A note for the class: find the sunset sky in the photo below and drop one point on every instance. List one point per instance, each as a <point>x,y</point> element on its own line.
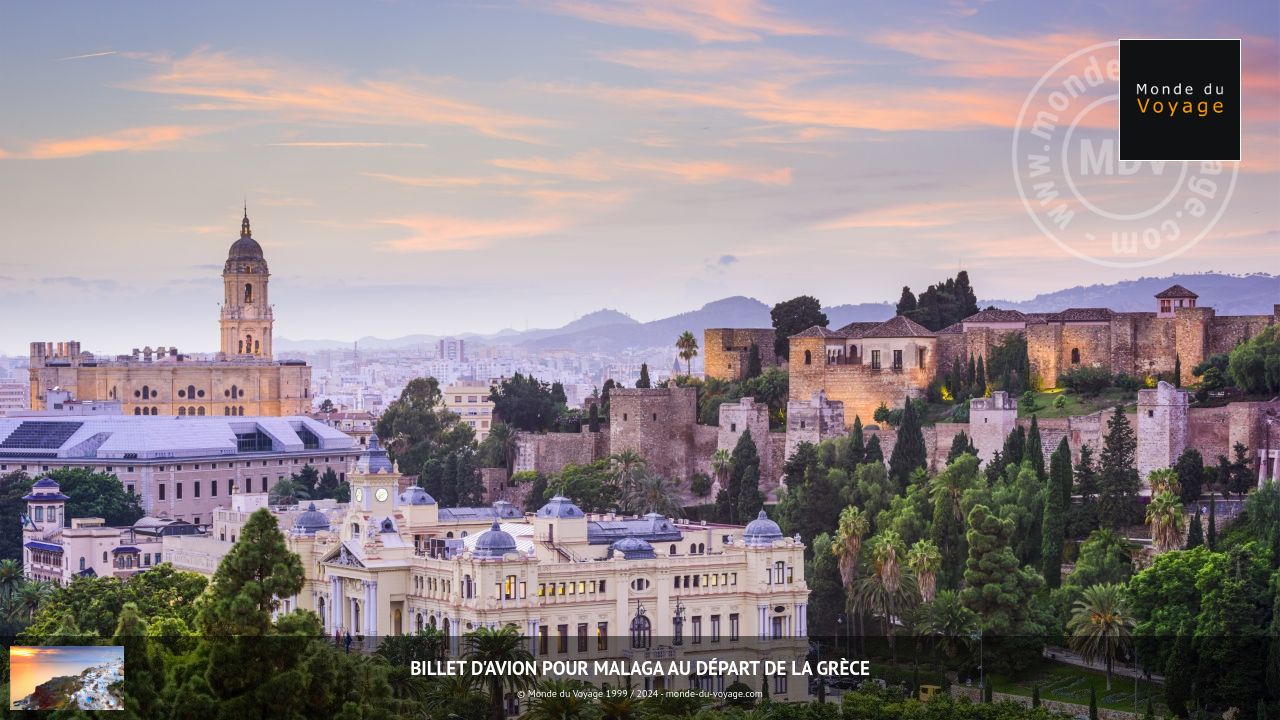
<point>453,167</point>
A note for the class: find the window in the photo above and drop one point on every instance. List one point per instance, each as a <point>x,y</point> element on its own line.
<point>178,490</point>
<point>733,627</point>
<point>697,629</point>
<point>1075,356</point>
<point>875,359</point>
<point>213,488</point>
<point>808,358</point>
<point>39,513</point>
<point>562,639</point>
<point>542,640</point>
<point>582,637</point>
<point>161,490</point>
<point>733,427</point>
<point>641,632</point>
<point>780,684</point>
<point>715,628</point>
<point>897,359</point>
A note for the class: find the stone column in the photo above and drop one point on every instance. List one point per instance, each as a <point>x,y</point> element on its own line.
<point>335,603</point>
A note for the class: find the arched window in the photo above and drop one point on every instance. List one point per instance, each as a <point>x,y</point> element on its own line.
<point>468,587</point>
<point>146,392</point>
<point>641,631</point>
<point>1075,356</point>
<point>191,391</point>
<point>248,342</point>
<point>673,550</point>
<point>248,292</point>
<point>240,347</point>
<point>137,411</point>
<point>257,347</point>
<point>191,411</point>
<point>808,358</point>
<point>82,563</point>
<point>104,556</point>
<point>200,411</point>
<point>702,548</point>
<point>182,411</point>
<point>419,623</point>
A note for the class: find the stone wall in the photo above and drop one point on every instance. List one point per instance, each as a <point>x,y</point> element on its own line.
<point>990,422</point>
<point>813,421</point>
<point>725,351</point>
<point>548,453</point>
<point>1162,427</point>
<point>859,387</point>
<point>737,418</point>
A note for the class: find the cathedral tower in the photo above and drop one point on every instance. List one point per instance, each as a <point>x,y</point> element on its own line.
<point>246,311</point>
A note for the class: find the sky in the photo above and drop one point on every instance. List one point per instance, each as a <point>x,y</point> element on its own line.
<point>29,666</point>
<point>457,167</point>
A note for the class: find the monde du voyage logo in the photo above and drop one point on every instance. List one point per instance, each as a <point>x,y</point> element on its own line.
<point>1180,100</point>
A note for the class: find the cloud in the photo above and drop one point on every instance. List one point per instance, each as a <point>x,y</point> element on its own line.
<point>926,215</point>
<point>721,61</point>
<point>439,233</point>
<point>454,181</point>
<point>595,166</point>
<point>965,54</point>
<point>726,260</point>
<point>88,55</point>
<point>140,139</point>
<point>703,20</point>
<point>345,144</point>
<point>298,94</point>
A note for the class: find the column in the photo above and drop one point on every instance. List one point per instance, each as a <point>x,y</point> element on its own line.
<point>1263,463</point>
<point>453,635</point>
<point>533,637</point>
<point>762,620</point>
<point>371,607</point>
<point>335,604</point>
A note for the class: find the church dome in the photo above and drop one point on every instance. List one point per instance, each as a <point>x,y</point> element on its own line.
<point>633,548</point>
<point>494,543</point>
<point>311,521</point>
<point>416,496</point>
<point>246,249</point>
<point>761,532</point>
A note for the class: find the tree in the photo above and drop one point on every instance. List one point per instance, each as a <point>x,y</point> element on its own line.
<point>1054,528</point>
<point>330,486</point>
<point>793,316</point>
<point>687,344</point>
<point>996,587</point>
<point>287,492</point>
<point>847,544</point>
<point>1211,537</point>
<point>1165,516</point>
<point>652,493</point>
<point>1105,557</point>
<point>526,403</point>
<point>909,452</point>
<point>721,462</point>
<point>751,501</point>
<point>924,559</point>
<point>326,406</point>
<point>1034,452</point>
<point>700,485</point>
<point>1118,481</point>
<point>960,444</point>
<point>1015,446</point>
<point>980,379</point>
<point>417,428</point>
<point>96,494</point>
<point>503,645</point>
<point>947,490</point>
<point>887,591</point>
<point>1241,479</point>
<point>856,447</point>
<point>644,382</point>
<point>942,304</point>
<point>1190,469</point>
<point>1009,366</point>
<point>744,457</point>
<point>755,365</point>
<point>593,418</point>
<point>1195,532</point>
<point>874,453</point>
<point>1254,365</point>
<point>906,302</point>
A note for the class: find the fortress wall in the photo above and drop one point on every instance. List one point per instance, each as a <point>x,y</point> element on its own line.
<point>725,351</point>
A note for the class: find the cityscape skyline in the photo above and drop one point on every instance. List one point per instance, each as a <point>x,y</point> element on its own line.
<point>568,156</point>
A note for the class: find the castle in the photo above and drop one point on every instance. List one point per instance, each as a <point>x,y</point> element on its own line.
<point>241,379</point>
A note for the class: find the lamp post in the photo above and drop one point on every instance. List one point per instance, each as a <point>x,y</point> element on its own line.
<point>840,628</point>
<point>678,623</point>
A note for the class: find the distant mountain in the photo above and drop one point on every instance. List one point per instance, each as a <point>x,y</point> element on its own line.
<point>1228,294</point>
<point>611,330</point>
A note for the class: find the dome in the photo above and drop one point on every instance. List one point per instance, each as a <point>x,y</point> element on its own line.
<point>311,521</point>
<point>494,543</point>
<point>374,459</point>
<point>245,254</point>
<point>560,507</point>
<point>246,248</point>
<point>633,548</point>
<point>761,532</point>
<point>46,482</point>
<point>416,496</point>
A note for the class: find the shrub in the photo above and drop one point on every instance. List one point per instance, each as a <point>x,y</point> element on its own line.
<point>1128,382</point>
<point>1060,402</point>
<point>1089,380</point>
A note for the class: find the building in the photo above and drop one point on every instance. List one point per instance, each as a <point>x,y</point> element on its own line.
<point>241,379</point>
<point>180,467</point>
<point>60,402</point>
<point>602,587</point>
<point>57,553</point>
<point>469,399</point>
<point>451,348</point>
<point>13,396</point>
<point>726,351</point>
<point>358,423</point>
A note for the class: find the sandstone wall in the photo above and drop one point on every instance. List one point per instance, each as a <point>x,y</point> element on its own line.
<point>548,453</point>
<point>859,387</point>
<point>725,351</point>
<point>659,424</point>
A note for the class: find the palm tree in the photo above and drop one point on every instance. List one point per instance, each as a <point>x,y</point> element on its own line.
<point>504,439</point>
<point>848,542</point>
<point>10,577</point>
<point>623,707</point>
<point>1164,479</point>
<point>874,596</point>
<point>948,620</point>
<point>652,493</point>
<point>1100,625</point>
<point>924,559</point>
<point>626,465</point>
<point>721,463</point>
<point>29,597</point>
<point>1167,520</point>
<point>451,691</point>
<point>501,645</point>
<point>688,346</point>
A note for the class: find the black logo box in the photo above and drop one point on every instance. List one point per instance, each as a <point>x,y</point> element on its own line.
<point>1185,67</point>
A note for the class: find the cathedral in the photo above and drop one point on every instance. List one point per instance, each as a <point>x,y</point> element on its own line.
<point>241,379</point>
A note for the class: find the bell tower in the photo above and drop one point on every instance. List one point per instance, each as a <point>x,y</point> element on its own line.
<point>246,311</point>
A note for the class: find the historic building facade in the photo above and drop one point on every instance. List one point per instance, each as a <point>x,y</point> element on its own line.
<point>241,379</point>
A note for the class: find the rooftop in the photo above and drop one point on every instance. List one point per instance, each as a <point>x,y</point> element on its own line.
<point>1175,291</point>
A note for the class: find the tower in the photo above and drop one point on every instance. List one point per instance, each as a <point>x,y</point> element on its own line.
<point>1162,428</point>
<point>45,505</point>
<point>246,309</point>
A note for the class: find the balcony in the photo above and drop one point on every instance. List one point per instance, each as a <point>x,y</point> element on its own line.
<point>661,652</point>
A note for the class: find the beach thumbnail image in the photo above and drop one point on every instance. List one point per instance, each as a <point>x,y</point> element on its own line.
<point>53,678</point>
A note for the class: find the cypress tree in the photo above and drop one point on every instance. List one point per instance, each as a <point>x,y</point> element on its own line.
<point>1034,450</point>
<point>909,451</point>
<point>1118,481</point>
<point>752,500</point>
<point>994,469</point>
<point>980,378</point>
<point>960,445</point>
<point>1093,704</point>
<point>957,383</point>
<point>986,691</point>
<point>857,447</point>
<point>874,453</point>
<point>1195,533</point>
<point>1035,696</point>
<point>1055,515</point>
<point>754,366</point>
<point>1015,447</point>
<point>1211,537</point>
<point>643,382</point>
<point>971,374</point>
<point>593,418</point>
<point>1177,371</point>
<point>744,457</point>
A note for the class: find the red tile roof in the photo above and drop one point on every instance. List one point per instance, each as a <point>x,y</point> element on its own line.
<point>1176,291</point>
<point>899,327</point>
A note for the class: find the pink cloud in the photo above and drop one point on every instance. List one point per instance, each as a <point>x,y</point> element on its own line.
<point>703,20</point>
<point>140,139</point>
<point>594,166</point>
<point>440,233</point>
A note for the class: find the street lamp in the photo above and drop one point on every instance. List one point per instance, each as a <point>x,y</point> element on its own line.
<point>840,628</point>
<point>678,623</point>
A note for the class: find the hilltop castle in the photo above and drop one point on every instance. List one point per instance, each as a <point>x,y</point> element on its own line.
<point>241,379</point>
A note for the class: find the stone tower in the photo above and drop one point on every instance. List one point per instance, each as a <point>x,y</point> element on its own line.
<point>1162,428</point>
<point>991,419</point>
<point>246,309</point>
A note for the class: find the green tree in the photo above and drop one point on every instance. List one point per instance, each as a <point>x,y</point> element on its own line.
<point>417,428</point>
<point>1034,452</point>
<point>924,559</point>
<point>308,479</point>
<point>1055,514</point>
<point>525,403</point>
<point>326,406</point>
<point>847,543</point>
<point>941,304</point>
<point>1015,446</point>
<point>909,452</point>
<point>499,645</point>
<point>1118,481</point>
<point>1211,538</point>
<point>687,344</point>
<point>593,423</point>
<point>744,458</point>
<point>1105,557</point>
<point>947,490</point>
<point>793,316</point>
<point>95,494</point>
<point>287,492</point>
<point>330,486</point>
<point>1009,366</point>
<point>755,365</point>
<point>1195,532</point>
<point>1190,469</point>
<point>1101,627</point>
<point>906,302</point>
<point>644,381</point>
<point>960,444</point>
<point>1254,365</point>
<point>1167,521</point>
<point>874,454</point>
<point>999,590</point>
